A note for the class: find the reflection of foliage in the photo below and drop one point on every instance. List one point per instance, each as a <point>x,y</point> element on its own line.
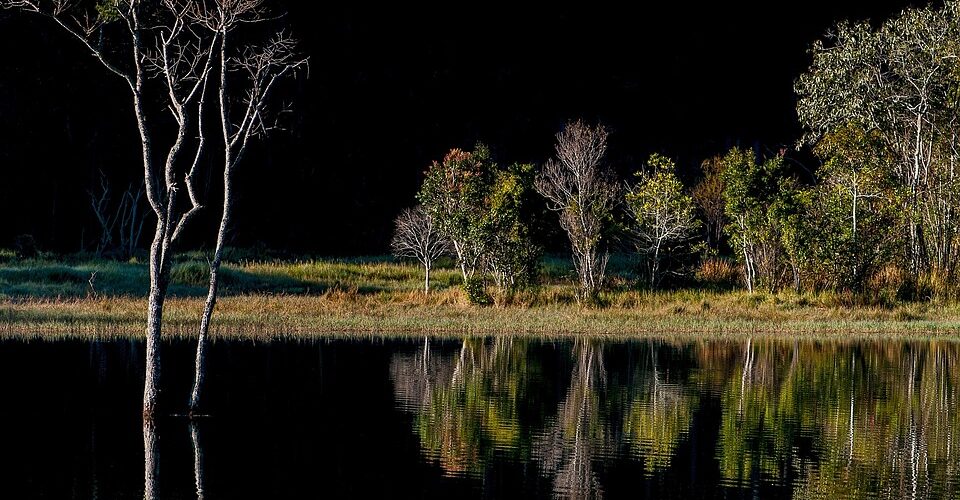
<point>467,407</point>
<point>842,421</point>
<point>830,420</point>
<point>579,435</point>
<point>658,417</point>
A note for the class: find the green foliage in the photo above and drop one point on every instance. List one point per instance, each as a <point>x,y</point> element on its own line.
<point>764,204</point>
<point>476,290</point>
<point>484,210</point>
<point>107,11</point>
<point>662,217</point>
<point>854,209</point>
<point>454,193</point>
<point>512,256</point>
<point>880,102</point>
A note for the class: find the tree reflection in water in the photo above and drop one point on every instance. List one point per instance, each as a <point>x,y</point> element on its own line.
<point>466,406</point>
<point>151,460</point>
<point>573,441</point>
<point>823,419</point>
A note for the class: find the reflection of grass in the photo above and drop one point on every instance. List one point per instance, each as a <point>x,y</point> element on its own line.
<point>379,296</point>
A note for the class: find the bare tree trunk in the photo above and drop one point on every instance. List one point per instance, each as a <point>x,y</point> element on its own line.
<point>151,460</point>
<point>211,302</point>
<point>158,285</point>
<point>426,279</point>
<point>263,67</point>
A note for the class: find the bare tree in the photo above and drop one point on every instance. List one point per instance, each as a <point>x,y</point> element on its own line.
<point>255,69</point>
<point>100,203</point>
<point>581,189</point>
<point>156,50</point>
<point>127,213</point>
<point>416,236</point>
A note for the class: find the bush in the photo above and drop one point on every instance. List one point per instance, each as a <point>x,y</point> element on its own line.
<point>25,246</point>
<point>719,273</point>
<point>476,291</point>
<point>190,273</point>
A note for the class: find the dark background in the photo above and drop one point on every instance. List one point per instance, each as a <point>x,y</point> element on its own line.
<point>392,88</point>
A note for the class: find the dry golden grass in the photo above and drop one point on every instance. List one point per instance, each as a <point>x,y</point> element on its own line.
<point>378,297</point>
<point>447,313</point>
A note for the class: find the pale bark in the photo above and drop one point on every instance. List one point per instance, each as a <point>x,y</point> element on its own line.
<point>151,460</point>
<point>262,68</point>
<point>197,460</point>
<point>417,236</point>
<point>169,53</point>
<point>580,188</point>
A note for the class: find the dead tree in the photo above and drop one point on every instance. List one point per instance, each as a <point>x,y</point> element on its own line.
<point>100,203</point>
<point>581,189</point>
<point>125,220</point>
<point>157,50</point>
<point>415,236</point>
<point>248,74</point>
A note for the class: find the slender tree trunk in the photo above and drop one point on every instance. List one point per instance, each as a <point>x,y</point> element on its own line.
<point>151,460</point>
<point>426,279</point>
<point>229,160</point>
<point>159,275</point>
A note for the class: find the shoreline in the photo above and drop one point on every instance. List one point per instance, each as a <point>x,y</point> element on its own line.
<point>264,317</point>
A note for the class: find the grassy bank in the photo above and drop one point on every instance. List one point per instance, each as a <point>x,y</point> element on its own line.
<point>74,296</point>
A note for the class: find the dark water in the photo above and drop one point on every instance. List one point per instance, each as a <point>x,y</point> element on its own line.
<point>488,418</point>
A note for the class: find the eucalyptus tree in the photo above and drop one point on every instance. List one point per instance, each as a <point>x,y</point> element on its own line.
<point>662,218</point>
<point>512,256</point>
<point>453,193</point>
<point>248,74</point>
<point>482,209</point>
<point>153,48</point>
<point>855,207</point>
<point>899,81</point>
<point>416,236</point>
<point>762,204</point>
<point>580,187</point>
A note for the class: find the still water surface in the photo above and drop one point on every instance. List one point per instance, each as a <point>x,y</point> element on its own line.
<point>488,418</point>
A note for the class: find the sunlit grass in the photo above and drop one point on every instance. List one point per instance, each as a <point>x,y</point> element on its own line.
<point>271,298</point>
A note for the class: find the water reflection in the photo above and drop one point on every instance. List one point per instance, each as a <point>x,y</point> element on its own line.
<point>659,412</point>
<point>811,419</point>
<point>578,436</point>
<point>151,459</point>
<point>466,405</point>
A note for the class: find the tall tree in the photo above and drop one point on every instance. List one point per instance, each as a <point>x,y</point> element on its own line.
<point>580,187</point>
<point>248,74</point>
<point>761,202</point>
<point>855,208</point>
<point>662,216</point>
<point>454,193</point>
<point>899,81</point>
<point>153,48</point>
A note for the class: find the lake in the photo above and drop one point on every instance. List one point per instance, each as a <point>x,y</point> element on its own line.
<point>506,417</point>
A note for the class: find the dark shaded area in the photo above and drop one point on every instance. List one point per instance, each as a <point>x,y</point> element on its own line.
<point>392,88</point>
